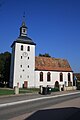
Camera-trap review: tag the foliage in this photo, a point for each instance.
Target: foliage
(44, 55)
(54, 89)
(5, 59)
(78, 85)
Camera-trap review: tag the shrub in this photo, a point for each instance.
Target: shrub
(54, 89)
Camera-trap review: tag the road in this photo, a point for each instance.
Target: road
(40, 107)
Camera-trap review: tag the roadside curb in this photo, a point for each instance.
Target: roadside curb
(4, 96)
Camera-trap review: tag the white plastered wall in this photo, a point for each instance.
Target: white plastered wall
(55, 76)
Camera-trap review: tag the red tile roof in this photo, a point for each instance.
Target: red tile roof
(52, 64)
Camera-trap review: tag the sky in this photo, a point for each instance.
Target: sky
(54, 25)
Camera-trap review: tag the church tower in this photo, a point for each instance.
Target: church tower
(22, 60)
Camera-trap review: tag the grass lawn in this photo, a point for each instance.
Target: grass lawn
(4, 91)
(8, 91)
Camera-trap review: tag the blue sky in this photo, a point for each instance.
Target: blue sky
(54, 25)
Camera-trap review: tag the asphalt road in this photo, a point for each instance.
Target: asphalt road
(36, 106)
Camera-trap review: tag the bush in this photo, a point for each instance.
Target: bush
(78, 85)
(54, 89)
(2, 85)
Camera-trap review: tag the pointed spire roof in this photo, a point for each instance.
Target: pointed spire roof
(23, 38)
(23, 24)
(23, 21)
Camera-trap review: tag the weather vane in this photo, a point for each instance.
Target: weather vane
(24, 15)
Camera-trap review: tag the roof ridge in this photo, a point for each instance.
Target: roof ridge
(51, 58)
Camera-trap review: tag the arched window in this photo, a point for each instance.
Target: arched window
(48, 76)
(28, 48)
(41, 76)
(61, 77)
(21, 47)
(69, 77)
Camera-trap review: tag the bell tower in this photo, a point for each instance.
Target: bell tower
(22, 60)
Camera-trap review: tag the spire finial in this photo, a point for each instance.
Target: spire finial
(23, 22)
(24, 16)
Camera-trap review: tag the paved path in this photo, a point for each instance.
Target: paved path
(65, 106)
(68, 110)
(36, 98)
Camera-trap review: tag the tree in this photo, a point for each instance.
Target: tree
(44, 55)
(2, 60)
(5, 59)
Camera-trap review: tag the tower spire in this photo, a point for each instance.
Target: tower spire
(23, 28)
(23, 21)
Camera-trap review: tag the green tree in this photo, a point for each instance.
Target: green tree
(2, 60)
(44, 55)
(5, 59)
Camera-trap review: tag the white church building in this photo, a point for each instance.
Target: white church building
(29, 71)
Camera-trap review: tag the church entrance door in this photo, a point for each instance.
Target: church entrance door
(25, 84)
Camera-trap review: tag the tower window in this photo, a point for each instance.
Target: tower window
(48, 76)
(23, 30)
(28, 66)
(22, 47)
(61, 77)
(21, 57)
(20, 76)
(28, 48)
(41, 76)
(21, 66)
(28, 76)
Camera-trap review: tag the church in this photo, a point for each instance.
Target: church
(30, 71)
